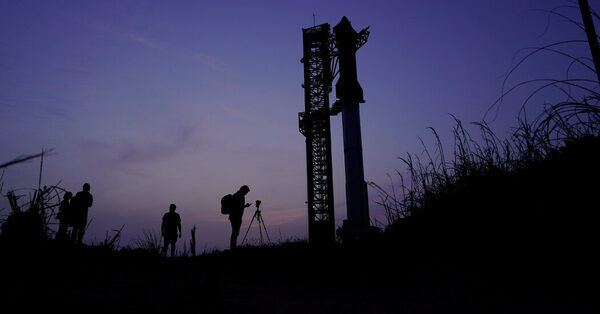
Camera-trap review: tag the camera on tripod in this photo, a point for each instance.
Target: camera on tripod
(261, 224)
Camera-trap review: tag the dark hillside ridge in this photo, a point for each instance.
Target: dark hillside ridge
(551, 202)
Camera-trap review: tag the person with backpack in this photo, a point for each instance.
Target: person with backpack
(79, 207)
(234, 205)
(171, 223)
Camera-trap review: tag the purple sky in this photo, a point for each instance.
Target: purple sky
(182, 102)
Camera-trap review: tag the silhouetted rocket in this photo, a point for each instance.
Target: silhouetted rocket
(350, 94)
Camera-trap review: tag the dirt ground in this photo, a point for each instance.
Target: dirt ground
(295, 279)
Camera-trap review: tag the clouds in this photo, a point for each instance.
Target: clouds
(235, 112)
(208, 61)
(157, 145)
(77, 73)
(282, 216)
(37, 108)
(129, 151)
(6, 105)
(211, 62)
(143, 40)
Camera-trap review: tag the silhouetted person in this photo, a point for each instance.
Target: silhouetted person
(79, 207)
(64, 216)
(171, 224)
(237, 211)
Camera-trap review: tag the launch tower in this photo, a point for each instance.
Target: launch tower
(322, 51)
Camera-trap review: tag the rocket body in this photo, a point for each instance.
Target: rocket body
(350, 94)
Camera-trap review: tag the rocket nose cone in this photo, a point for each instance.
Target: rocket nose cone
(344, 21)
(343, 25)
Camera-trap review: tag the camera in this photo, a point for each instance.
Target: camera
(258, 203)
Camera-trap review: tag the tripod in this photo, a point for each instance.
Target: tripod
(261, 223)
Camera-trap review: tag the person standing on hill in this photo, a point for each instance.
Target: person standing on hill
(171, 224)
(64, 216)
(237, 211)
(79, 206)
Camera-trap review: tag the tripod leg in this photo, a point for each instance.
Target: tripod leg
(250, 225)
(260, 231)
(265, 227)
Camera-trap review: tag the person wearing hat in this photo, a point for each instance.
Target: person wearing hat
(237, 211)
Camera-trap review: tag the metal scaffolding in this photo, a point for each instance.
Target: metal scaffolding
(325, 56)
(315, 126)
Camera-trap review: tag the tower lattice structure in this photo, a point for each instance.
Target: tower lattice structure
(315, 126)
(327, 55)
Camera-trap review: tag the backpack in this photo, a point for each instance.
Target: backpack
(227, 204)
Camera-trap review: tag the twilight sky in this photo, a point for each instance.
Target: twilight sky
(159, 102)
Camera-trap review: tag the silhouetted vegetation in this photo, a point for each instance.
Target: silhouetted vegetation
(150, 241)
(520, 211)
(531, 194)
(29, 221)
(535, 185)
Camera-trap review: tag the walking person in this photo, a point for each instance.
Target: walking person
(171, 224)
(238, 204)
(79, 205)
